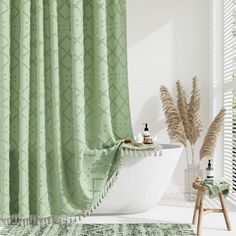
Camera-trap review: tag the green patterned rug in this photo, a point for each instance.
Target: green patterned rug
(99, 230)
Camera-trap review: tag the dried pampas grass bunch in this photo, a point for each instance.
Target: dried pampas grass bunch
(175, 126)
(194, 113)
(189, 113)
(184, 122)
(183, 108)
(208, 146)
(184, 125)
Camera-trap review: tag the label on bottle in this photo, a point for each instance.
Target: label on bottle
(146, 134)
(210, 173)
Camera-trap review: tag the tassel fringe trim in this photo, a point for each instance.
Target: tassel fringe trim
(142, 152)
(35, 220)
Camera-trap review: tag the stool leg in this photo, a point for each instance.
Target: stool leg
(225, 211)
(200, 215)
(196, 208)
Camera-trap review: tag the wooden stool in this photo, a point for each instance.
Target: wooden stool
(199, 207)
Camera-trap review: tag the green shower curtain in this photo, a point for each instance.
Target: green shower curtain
(64, 106)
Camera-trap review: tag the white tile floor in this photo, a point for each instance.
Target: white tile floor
(213, 224)
(174, 209)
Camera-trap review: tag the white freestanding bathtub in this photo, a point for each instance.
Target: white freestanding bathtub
(141, 182)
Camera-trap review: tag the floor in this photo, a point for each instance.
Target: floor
(174, 209)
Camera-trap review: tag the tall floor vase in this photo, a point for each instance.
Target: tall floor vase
(190, 173)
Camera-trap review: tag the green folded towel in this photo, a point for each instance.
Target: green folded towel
(216, 186)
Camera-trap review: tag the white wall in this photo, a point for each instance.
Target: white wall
(167, 40)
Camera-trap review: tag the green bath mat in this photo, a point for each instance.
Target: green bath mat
(99, 230)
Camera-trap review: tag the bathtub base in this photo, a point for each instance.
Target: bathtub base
(141, 183)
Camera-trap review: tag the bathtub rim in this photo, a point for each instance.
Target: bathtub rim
(167, 146)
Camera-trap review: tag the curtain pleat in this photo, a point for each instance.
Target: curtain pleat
(14, 22)
(77, 49)
(24, 77)
(58, 191)
(63, 83)
(102, 123)
(4, 107)
(33, 162)
(78, 101)
(43, 207)
(117, 69)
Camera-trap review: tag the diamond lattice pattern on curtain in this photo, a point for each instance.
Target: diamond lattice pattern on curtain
(64, 107)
